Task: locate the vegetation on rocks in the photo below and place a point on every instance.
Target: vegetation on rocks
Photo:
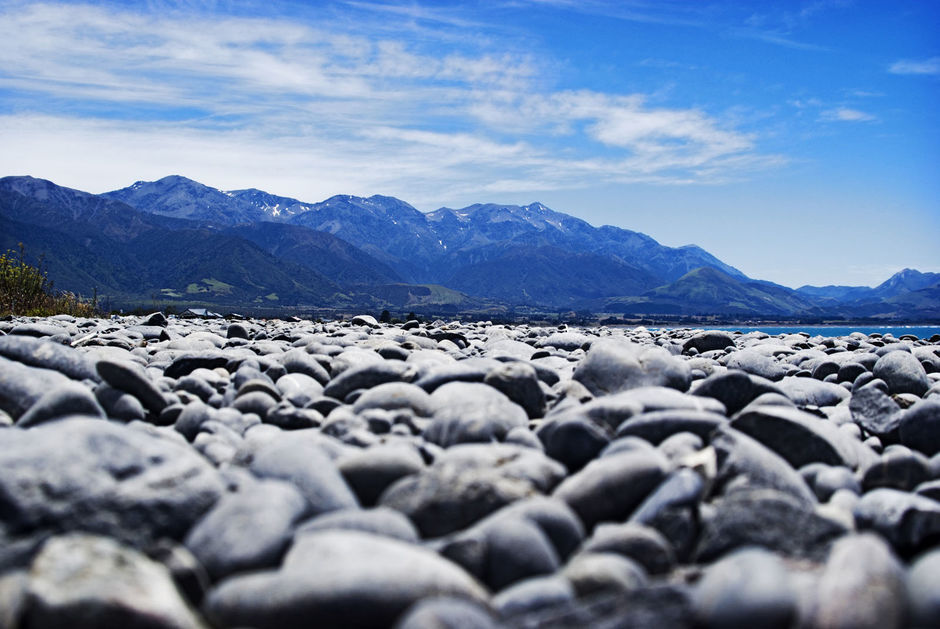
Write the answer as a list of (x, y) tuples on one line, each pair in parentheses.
[(27, 290)]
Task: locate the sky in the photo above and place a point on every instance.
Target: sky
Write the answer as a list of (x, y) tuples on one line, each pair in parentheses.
[(797, 141)]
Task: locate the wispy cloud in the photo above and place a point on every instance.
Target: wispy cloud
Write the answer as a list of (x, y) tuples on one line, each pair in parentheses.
[(845, 114), (777, 38), (913, 66), (333, 103)]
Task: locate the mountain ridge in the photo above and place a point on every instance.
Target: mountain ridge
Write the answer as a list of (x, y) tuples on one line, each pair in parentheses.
[(258, 247)]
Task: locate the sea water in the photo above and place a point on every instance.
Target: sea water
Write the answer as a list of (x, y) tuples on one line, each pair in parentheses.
[(920, 331)]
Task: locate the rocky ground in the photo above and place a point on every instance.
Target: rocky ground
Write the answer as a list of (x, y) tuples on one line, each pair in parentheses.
[(160, 473)]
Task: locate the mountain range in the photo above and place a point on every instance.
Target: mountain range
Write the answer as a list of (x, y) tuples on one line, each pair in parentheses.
[(176, 241)]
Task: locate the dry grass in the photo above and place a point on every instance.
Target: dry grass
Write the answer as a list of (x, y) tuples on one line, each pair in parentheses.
[(26, 290)]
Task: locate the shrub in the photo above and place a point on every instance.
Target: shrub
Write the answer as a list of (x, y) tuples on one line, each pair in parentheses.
[(27, 290)]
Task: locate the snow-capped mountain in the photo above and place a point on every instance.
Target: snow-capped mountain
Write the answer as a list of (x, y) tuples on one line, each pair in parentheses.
[(180, 197), (178, 238)]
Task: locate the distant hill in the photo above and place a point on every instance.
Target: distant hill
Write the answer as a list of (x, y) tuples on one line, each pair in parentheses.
[(93, 243), (318, 251), (178, 241), (709, 290), (547, 275)]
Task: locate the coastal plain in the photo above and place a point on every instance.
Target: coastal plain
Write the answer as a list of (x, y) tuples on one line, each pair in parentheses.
[(170, 473)]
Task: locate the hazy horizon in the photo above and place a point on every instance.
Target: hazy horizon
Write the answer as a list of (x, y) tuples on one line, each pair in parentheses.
[(796, 142)]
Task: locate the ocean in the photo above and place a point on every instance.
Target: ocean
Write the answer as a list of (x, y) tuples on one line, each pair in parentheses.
[(920, 331)]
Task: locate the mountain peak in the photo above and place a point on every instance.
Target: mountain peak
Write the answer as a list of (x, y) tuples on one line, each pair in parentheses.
[(180, 197)]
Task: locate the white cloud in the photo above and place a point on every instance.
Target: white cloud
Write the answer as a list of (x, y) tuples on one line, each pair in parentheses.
[(911, 66), (315, 110), (845, 114)]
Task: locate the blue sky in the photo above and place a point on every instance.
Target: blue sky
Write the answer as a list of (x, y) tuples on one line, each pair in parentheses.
[(798, 141)]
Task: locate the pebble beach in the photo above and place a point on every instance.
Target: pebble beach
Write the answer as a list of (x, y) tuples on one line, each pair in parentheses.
[(169, 473)]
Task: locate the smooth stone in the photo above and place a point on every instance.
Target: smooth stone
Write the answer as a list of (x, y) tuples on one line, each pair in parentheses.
[(568, 341), (257, 402), (741, 458), (149, 332), (299, 362), (919, 427), (929, 489), (39, 329), (132, 378), (734, 389), (299, 389), (610, 488), (447, 612), (902, 372), (309, 469), (528, 538), (185, 570), (520, 383), (554, 519), (258, 385), (796, 436), (86, 474), (922, 591), (450, 496), (237, 331), (657, 426), (653, 399), (769, 519), (756, 364), (86, 581), (874, 411), (339, 578), (365, 320), (394, 396), (862, 586), (898, 468), (504, 553), (377, 521), (653, 605), (680, 445), (708, 340), (810, 392), (287, 416), (192, 417), (440, 374), (612, 365), (607, 411), (673, 510), (534, 594), (572, 440), (45, 354), (22, 386), (848, 372), (187, 363), (365, 377), (749, 587), (156, 319), (832, 479), (195, 385), (910, 522), (13, 597), (249, 529), (370, 471), (876, 383), (524, 437), (592, 573), (510, 460), (69, 399), (471, 412), (824, 369), (642, 544), (862, 379)]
